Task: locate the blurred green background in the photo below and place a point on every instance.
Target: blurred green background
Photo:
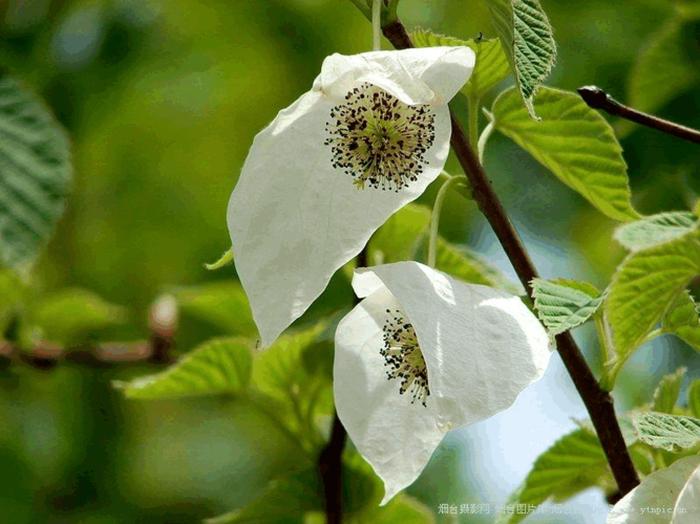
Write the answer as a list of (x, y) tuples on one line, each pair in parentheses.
[(162, 100)]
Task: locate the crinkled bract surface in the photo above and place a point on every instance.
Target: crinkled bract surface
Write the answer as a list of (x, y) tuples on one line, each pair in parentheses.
[(368, 138), (480, 348)]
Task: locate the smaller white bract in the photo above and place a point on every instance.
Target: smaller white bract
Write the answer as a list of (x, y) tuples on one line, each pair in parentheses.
[(667, 496), (368, 138), (424, 353)]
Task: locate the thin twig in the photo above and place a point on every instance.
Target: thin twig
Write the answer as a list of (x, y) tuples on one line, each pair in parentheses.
[(596, 98), (163, 318), (598, 402)]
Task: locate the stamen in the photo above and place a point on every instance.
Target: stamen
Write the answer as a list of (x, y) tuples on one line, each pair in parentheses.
[(379, 140), (404, 358)]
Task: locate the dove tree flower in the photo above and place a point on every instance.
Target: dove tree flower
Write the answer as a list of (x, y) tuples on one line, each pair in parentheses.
[(422, 354), (371, 134)]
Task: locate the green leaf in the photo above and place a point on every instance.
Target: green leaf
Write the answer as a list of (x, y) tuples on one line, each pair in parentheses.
[(216, 367), (300, 393), (694, 398), (668, 432), (646, 285), (36, 172), (223, 304), (284, 501), (666, 393), (223, 261), (401, 509), (655, 229), (564, 304), (574, 463), (398, 239), (575, 143), (464, 264), (12, 292), (683, 320), (72, 316), (665, 68), (491, 62), (526, 35)]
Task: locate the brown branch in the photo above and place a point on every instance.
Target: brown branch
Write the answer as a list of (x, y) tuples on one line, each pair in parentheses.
[(596, 98), (47, 355), (330, 461), (598, 402)]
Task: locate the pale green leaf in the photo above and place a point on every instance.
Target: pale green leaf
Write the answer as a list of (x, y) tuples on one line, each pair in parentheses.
[(464, 264), (645, 286), (400, 236), (223, 261), (401, 509), (564, 304), (669, 432), (574, 463), (284, 501), (35, 172), (223, 304), (682, 320), (694, 398), (71, 316), (491, 62), (526, 35), (216, 367), (666, 393), (575, 143), (665, 68), (655, 229)]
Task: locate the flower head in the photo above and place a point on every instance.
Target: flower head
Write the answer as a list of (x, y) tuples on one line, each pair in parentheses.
[(369, 137), (423, 353)]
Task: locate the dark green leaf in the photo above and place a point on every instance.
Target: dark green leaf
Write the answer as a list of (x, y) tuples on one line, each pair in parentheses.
[(35, 173)]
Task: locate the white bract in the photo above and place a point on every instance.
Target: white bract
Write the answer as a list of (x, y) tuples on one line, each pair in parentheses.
[(424, 353), (368, 138), (667, 496)]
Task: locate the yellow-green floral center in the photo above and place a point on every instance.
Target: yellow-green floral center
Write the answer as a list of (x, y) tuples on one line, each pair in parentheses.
[(403, 357), (378, 140)]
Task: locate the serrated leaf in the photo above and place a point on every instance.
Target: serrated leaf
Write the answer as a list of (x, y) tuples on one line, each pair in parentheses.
[(464, 264), (574, 463), (398, 239), (72, 316), (563, 304), (575, 143), (223, 304), (35, 173), (645, 286), (682, 320), (526, 35), (665, 68), (669, 432), (655, 229), (491, 62), (694, 398), (216, 367), (666, 393)]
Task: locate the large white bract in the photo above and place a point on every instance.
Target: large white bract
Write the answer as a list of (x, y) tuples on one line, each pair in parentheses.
[(371, 134), (423, 353)]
